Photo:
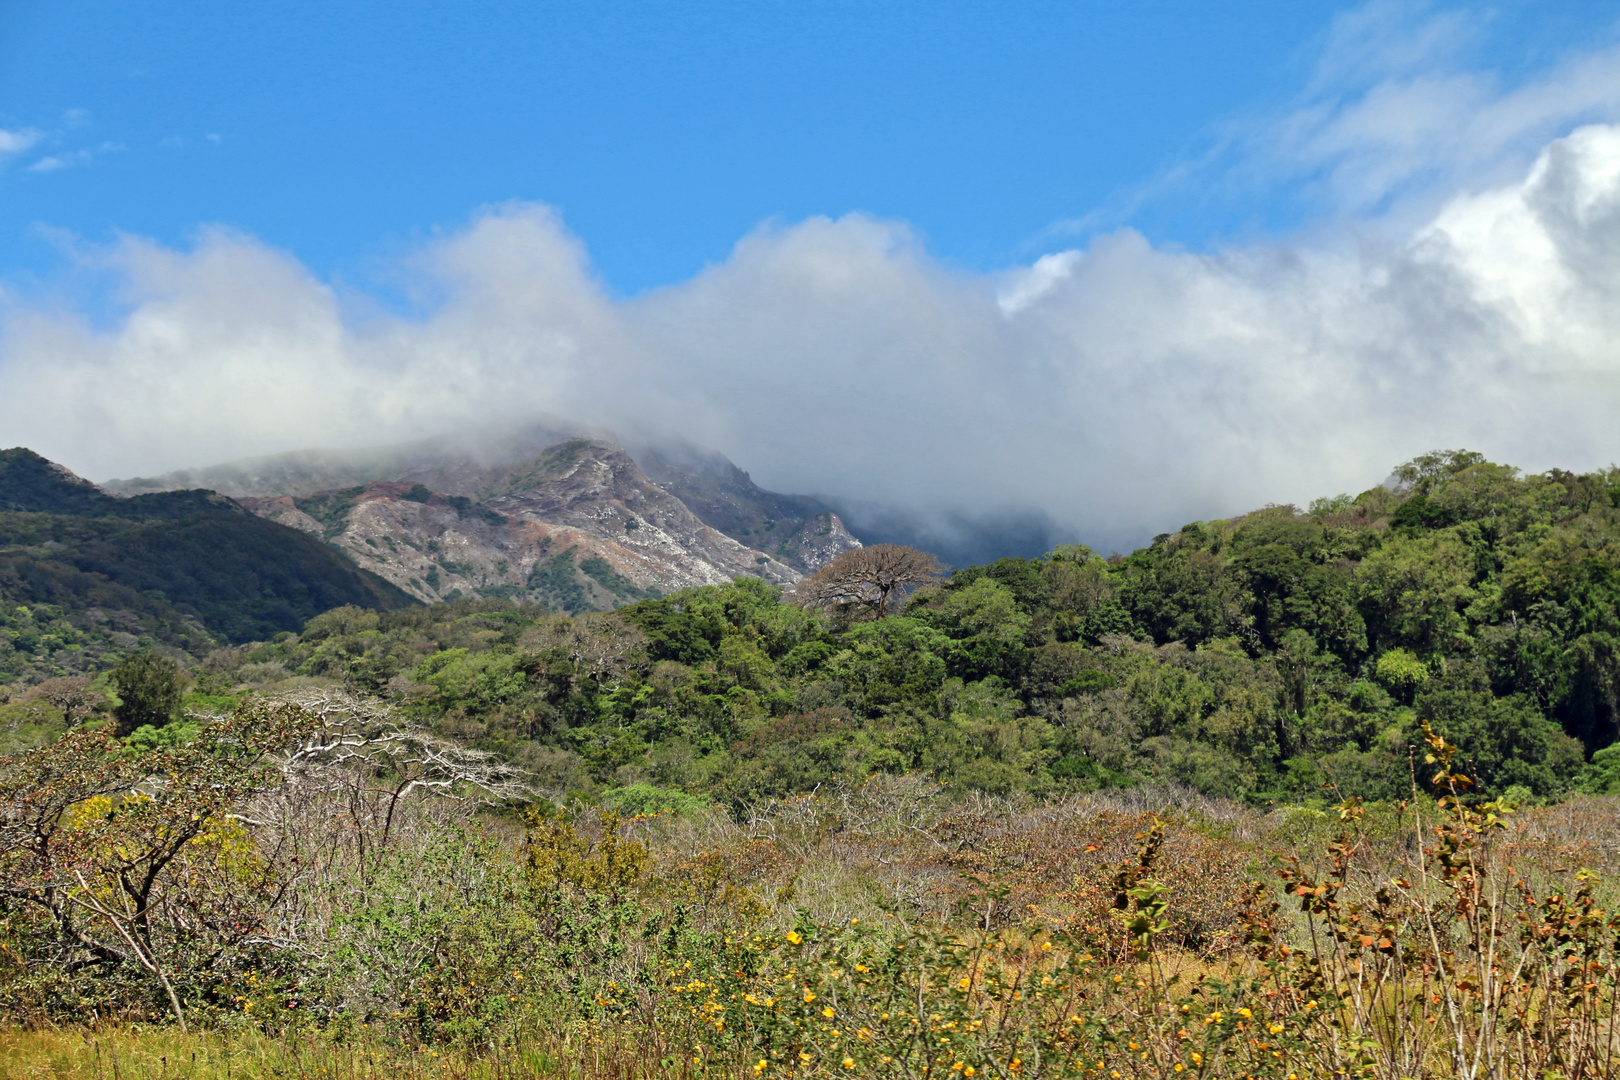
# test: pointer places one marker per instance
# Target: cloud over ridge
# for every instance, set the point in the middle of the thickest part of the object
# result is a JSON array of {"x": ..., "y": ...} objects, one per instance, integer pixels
[{"x": 1123, "y": 388}]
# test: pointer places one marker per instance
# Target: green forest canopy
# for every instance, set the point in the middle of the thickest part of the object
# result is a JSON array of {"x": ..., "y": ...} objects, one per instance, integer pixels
[{"x": 1261, "y": 657}]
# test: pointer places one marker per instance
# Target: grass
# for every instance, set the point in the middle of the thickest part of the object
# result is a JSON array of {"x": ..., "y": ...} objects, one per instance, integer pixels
[{"x": 138, "y": 1052}]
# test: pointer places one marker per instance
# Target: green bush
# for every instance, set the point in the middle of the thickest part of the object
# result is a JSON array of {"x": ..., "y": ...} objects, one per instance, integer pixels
[
  {"x": 149, "y": 691},
  {"x": 651, "y": 799}
]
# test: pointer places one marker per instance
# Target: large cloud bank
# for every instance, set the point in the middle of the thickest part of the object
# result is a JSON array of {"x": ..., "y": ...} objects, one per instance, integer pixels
[{"x": 1123, "y": 388}]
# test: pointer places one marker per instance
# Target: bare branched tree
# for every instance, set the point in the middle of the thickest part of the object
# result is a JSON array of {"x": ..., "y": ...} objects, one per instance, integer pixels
[
  {"x": 369, "y": 749},
  {"x": 183, "y": 861},
  {"x": 71, "y": 695},
  {"x": 106, "y": 848},
  {"x": 875, "y": 578},
  {"x": 600, "y": 646}
]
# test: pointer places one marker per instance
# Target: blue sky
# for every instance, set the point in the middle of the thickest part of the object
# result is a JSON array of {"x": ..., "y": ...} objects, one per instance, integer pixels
[
  {"x": 661, "y": 131},
  {"x": 1190, "y": 257}
]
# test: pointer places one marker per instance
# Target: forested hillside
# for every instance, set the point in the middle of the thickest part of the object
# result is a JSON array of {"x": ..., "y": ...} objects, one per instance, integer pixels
[
  {"x": 1261, "y": 657},
  {"x": 86, "y": 577}
]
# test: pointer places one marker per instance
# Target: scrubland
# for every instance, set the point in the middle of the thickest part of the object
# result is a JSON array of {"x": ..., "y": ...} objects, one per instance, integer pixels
[{"x": 308, "y": 914}]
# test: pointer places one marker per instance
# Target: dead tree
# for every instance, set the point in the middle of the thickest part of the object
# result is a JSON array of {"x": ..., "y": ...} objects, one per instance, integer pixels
[
  {"x": 366, "y": 748},
  {"x": 875, "y": 578}
]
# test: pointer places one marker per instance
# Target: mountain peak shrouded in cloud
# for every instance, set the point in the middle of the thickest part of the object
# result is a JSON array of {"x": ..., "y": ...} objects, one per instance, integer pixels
[
  {"x": 550, "y": 513},
  {"x": 1114, "y": 391}
]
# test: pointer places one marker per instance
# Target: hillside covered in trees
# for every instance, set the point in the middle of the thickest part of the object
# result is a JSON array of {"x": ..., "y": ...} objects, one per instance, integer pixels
[
  {"x": 1284, "y": 655},
  {"x": 86, "y": 577}
]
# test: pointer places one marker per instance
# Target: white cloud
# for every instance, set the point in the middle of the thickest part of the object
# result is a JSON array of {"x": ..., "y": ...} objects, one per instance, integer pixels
[
  {"x": 1025, "y": 287},
  {"x": 17, "y": 141},
  {"x": 1403, "y": 109},
  {"x": 1427, "y": 133},
  {"x": 69, "y": 159},
  {"x": 1124, "y": 389}
]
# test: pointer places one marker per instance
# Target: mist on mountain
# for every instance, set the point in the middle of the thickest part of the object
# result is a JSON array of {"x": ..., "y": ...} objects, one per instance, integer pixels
[{"x": 1121, "y": 389}]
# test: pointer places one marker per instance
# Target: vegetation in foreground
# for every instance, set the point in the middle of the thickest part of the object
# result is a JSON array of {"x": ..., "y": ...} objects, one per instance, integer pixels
[{"x": 315, "y": 873}]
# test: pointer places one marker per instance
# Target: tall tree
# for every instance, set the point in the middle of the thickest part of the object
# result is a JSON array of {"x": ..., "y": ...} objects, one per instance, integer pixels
[{"x": 875, "y": 578}]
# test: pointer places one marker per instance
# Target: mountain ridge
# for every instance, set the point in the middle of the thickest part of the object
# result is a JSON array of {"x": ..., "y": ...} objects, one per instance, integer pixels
[{"x": 555, "y": 514}]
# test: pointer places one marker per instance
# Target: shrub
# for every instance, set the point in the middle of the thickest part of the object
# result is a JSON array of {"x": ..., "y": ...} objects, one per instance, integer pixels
[{"x": 149, "y": 690}]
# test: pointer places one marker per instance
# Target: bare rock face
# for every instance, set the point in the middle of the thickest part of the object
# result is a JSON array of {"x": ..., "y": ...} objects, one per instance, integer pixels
[
  {"x": 800, "y": 530},
  {"x": 820, "y": 540},
  {"x": 283, "y": 510},
  {"x": 596, "y": 488},
  {"x": 576, "y": 526}
]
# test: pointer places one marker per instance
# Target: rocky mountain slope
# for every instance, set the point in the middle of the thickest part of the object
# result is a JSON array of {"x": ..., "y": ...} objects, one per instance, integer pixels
[
  {"x": 800, "y": 530},
  {"x": 569, "y": 519}
]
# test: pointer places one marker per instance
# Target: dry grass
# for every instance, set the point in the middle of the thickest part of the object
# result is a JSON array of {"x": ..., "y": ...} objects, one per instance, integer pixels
[{"x": 134, "y": 1052}]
